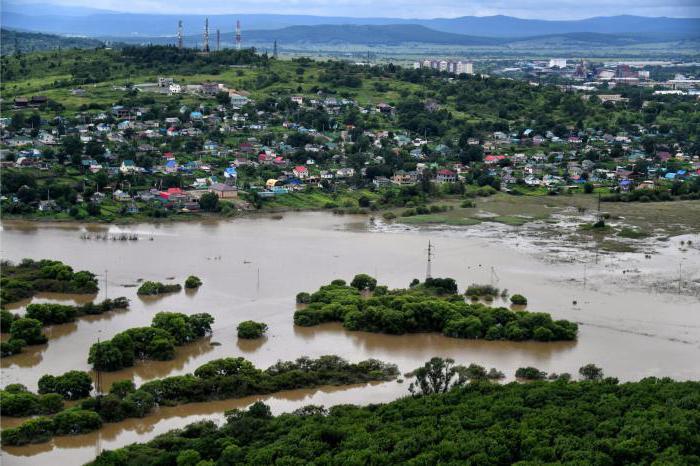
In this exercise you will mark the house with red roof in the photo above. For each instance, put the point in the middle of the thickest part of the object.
(446, 176)
(493, 159)
(301, 172)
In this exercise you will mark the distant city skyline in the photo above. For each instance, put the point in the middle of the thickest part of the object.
(531, 9)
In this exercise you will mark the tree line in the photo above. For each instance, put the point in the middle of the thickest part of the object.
(215, 380)
(433, 306)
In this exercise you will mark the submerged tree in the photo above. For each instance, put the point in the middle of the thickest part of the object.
(438, 376)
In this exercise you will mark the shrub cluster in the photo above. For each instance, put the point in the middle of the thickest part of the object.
(639, 195)
(167, 330)
(50, 313)
(217, 379)
(193, 282)
(17, 401)
(23, 280)
(23, 331)
(481, 290)
(149, 288)
(418, 310)
(251, 330)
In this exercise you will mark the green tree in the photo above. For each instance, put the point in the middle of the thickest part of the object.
(363, 281)
(591, 372)
(29, 330)
(437, 376)
(209, 202)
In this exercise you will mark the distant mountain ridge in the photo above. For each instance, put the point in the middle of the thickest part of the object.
(389, 35)
(94, 22)
(35, 42)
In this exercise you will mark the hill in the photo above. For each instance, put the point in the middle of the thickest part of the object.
(94, 22)
(26, 42)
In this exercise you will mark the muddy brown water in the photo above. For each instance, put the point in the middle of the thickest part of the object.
(252, 269)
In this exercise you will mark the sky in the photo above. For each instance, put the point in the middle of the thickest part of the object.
(540, 9)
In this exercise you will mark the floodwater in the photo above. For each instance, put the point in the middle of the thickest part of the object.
(252, 268)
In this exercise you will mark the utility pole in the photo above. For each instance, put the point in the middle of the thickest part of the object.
(430, 259)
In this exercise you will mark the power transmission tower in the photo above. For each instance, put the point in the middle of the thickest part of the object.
(206, 36)
(238, 35)
(180, 37)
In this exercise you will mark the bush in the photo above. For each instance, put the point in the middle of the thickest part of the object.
(303, 298)
(150, 288)
(193, 282)
(530, 373)
(72, 385)
(518, 299)
(481, 290)
(251, 330)
(28, 330)
(76, 421)
(389, 215)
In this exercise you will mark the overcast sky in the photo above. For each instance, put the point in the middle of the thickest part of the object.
(542, 9)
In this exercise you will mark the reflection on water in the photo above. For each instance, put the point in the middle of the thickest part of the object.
(247, 345)
(262, 263)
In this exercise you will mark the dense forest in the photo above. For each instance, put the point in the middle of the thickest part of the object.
(433, 306)
(599, 421)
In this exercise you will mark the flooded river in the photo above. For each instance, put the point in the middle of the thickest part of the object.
(252, 269)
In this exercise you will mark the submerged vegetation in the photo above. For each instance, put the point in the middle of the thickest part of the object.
(158, 342)
(215, 380)
(24, 280)
(251, 330)
(595, 421)
(149, 288)
(420, 309)
(193, 282)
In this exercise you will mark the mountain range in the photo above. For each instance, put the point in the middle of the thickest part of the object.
(101, 23)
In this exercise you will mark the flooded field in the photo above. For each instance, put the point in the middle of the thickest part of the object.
(634, 321)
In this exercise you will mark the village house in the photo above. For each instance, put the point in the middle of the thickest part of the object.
(224, 191)
(128, 166)
(301, 172)
(446, 176)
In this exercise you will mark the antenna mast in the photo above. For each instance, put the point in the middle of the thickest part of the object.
(206, 36)
(274, 50)
(180, 37)
(430, 260)
(238, 35)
